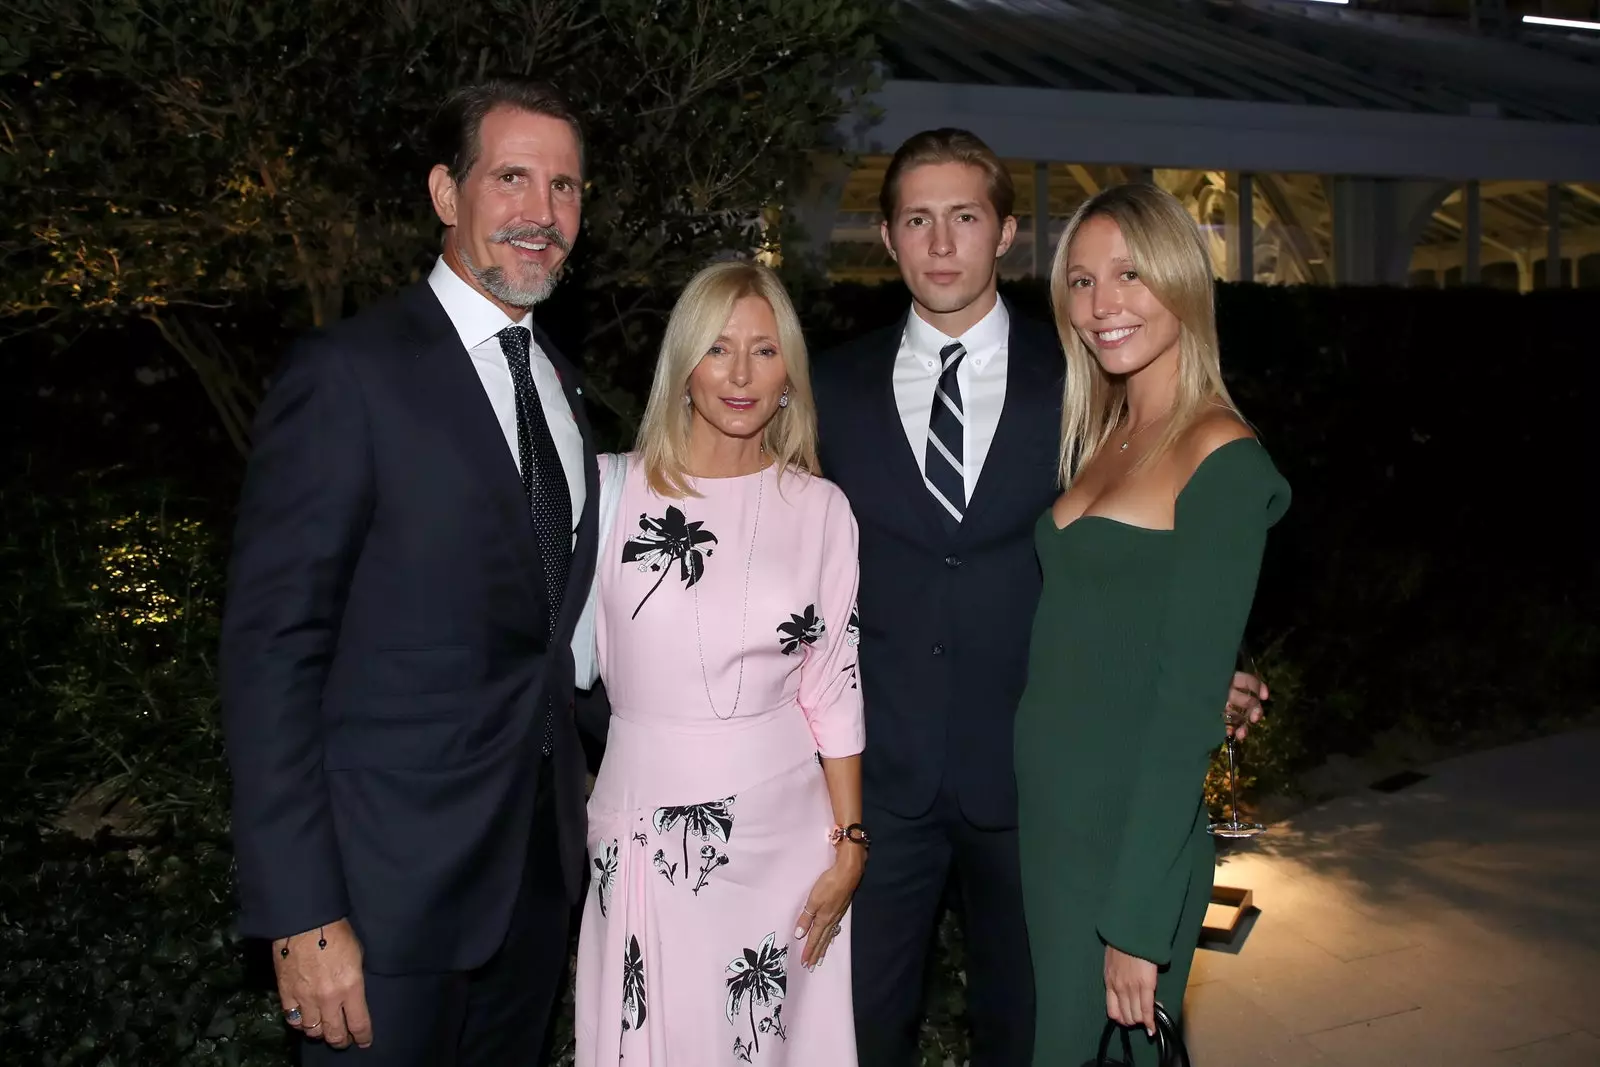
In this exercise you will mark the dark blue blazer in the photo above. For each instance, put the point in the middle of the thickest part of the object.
(946, 609)
(386, 656)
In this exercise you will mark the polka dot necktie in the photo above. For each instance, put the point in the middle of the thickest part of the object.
(942, 467)
(545, 485)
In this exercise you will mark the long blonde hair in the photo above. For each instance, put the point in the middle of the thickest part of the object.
(1170, 254)
(697, 321)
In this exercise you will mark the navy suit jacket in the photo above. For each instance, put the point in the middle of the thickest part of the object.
(386, 655)
(946, 608)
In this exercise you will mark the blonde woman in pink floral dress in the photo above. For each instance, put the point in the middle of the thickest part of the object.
(724, 826)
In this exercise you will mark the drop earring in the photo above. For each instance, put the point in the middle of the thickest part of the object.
(783, 399)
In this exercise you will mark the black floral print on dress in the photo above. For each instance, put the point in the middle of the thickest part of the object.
(803, 629)
(665, 541)
(632, 986)
(708, 822)
(852, 637)
(855, 676)
(758, 977)
(605, 875)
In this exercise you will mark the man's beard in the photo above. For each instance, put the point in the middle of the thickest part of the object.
(520, 292)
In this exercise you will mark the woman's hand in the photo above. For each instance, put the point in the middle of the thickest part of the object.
(830, 899)
(1130, 990)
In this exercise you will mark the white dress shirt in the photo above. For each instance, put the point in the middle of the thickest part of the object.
(478, 322)
(981, 378)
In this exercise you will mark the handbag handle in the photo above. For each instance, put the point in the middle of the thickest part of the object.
(1170, 1049)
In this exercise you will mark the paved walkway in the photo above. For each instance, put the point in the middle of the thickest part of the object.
(1454, 923)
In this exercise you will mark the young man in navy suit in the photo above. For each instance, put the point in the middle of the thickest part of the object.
(944, 432)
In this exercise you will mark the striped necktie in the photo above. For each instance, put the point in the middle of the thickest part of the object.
(943, 469)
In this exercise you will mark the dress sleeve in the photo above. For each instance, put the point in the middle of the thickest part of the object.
(830, 691)
(1220, 531)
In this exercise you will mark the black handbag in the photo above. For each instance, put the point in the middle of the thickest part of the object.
(1170, 1049)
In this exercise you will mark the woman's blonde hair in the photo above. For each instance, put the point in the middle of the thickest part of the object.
(698, 319)
(1170, 254)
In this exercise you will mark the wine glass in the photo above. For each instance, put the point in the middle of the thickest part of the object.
(1232, 827)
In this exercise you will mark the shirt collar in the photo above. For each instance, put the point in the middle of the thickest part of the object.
(987, 336)
(474, 315)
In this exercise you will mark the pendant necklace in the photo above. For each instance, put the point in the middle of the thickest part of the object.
(705, 677)
(1129, 439)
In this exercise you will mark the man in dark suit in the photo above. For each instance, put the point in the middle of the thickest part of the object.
(910, 417)
(944, 432)
(415, 539)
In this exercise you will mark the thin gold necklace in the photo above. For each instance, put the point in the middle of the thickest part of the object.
(1129, 439)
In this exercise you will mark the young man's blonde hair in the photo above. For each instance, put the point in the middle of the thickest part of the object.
(947, 145)
(1170, 254)
(698, 319)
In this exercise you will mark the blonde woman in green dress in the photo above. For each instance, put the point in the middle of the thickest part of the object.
(1150, 559)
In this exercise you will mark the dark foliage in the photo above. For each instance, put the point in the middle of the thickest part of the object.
(119, 955)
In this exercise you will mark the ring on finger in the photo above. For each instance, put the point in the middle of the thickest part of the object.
(313, 1026)
(292, 1016)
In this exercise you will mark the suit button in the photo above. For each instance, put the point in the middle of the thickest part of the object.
(952, 561)
(938, 649)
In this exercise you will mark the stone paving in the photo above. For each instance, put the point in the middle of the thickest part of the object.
(1455, 922)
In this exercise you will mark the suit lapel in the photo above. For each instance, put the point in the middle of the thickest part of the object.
(581, 573)
(454, 392)
(1032, 402)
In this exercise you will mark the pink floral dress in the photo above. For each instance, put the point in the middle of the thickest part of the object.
(727, 640)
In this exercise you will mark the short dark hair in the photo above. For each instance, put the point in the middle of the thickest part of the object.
(453, 138)
(947, 145)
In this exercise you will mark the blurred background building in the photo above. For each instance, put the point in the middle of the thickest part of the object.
(1422, 142)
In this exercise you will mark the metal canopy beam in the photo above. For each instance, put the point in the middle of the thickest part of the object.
(1067, 126)
(1253, 50)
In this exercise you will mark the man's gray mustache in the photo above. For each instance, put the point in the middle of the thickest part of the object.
(531, 233)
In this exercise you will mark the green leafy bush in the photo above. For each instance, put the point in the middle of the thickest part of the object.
(121, 954)
(116, 905)
(167, 159)
(109, 602)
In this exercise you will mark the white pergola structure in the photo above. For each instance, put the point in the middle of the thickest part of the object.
(1316, 143)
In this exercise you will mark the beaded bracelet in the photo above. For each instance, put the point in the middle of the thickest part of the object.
(855, 833)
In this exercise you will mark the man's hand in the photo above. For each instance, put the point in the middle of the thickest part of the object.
(320, 976)
(1244, 704)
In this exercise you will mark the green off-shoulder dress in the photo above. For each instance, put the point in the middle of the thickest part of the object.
(1134, 646)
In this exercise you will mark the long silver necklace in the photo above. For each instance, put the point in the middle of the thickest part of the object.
(705, 677)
